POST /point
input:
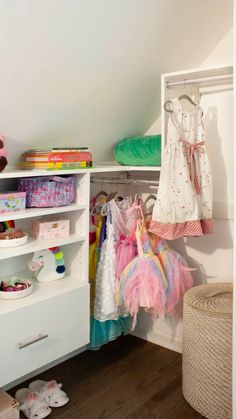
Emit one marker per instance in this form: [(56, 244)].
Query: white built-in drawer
[(60, 323)]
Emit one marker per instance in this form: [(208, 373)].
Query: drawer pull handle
[(33, 340)]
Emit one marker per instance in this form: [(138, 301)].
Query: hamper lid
[(214, 298)]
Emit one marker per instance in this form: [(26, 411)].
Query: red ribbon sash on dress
[(190, 150)]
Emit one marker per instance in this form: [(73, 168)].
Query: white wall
[(223, 52), (220, 55), (212, 255), (88, 71), (234, 231)]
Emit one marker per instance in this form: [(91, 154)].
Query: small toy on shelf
[(3, 153), (12, 201), (6, 225), (14, 288), (10, 236), (48, 264), (50, 229)]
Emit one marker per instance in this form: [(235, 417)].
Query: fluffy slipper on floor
[(31, 404), (50, 391)]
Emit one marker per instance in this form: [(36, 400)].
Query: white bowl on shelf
[(15, 295), (14, 242)]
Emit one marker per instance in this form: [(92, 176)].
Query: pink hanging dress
[(177, 273), (143, 283)]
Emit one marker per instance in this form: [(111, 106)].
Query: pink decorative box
[(9, 407), (12, 201), (53, 229)]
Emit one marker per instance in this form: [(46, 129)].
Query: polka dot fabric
[(184, 199)]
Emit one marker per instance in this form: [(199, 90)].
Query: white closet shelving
[(38, 212), (54, 319), (34, 245)]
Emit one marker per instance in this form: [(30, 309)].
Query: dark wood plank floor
[(126, 379)]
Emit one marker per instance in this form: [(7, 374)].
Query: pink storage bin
[(12, 201), (48, 191), (54, 229)]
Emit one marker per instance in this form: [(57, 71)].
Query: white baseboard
[(167, 341)]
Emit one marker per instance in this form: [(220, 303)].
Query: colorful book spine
[(54, 165), (56, 150), (58, 157), (68, 149)]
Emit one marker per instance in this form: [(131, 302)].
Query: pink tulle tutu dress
[(126, 248), (177, 274), (143, 283)]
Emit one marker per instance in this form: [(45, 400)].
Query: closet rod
[(226, 77), (120, 181)]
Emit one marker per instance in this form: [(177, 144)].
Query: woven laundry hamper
[(207, 349)]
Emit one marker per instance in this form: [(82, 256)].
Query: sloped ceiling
[(88, 71)]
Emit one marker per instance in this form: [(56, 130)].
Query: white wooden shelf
[(41, 291), (10, 173), (145, 168), (114, 167), (36, 245), (97, 168), (39, 212)]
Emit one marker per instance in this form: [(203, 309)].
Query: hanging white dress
[(105, 307), (104, 304), (184, 199)]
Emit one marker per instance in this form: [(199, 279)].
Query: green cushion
[(139, 151)]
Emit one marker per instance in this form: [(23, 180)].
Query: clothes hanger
[(193, 96), (112, 194), (187, 97), (196, 97), (96, 209), (181, 97), (166, 104), (119, 198), (105, 209), (150, 197), (101, 193), (137, 200), (96, 203)]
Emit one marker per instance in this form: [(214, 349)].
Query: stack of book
[(56, 158)]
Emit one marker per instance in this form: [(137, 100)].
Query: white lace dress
[(105, 307), (104, 304), (184, 199)]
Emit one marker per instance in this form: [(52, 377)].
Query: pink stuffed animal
[(3, 153)]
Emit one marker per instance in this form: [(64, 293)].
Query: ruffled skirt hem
[(104, 332), (186, 229)]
